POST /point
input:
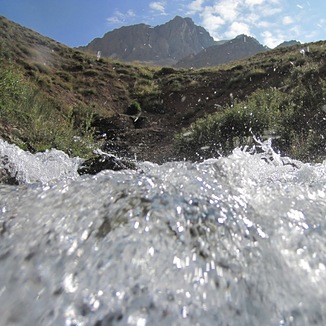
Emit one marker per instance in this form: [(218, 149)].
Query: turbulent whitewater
[(238, 240)]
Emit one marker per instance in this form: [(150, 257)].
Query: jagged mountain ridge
[(179, 43), (161, 45), (288, 43), (241, 47)]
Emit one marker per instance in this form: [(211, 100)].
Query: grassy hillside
[(288, 106), (56, 96), (47, 88)]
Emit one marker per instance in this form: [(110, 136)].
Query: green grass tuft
[(36, 122)]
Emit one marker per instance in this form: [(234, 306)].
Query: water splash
[(236, 240), (52, 165)]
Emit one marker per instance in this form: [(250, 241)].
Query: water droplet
[(70, 283)]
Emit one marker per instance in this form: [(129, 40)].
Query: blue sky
[(77, 22)]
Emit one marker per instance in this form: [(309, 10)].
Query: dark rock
[(6, 176), (110, 319), (141, 122), (104, 161)]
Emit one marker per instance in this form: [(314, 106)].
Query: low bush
[(255, 74), (42, 67), (91, 73), (295, 119), (87, 91), (134, 108), (64, 75), (36, 122)]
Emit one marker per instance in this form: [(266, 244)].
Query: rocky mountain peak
[(178, 42), (240, 47), (163, 44)]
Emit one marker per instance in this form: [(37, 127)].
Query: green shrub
[(42, 67), (30, 52), (166, 71), (64, 75), (145, 87), (87, 91), (308, 146), (78, 56), (295, 119), (134, 108), (91, 73), (36, 121), (255, 74)]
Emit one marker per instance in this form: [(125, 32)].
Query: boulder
[(6, 178)]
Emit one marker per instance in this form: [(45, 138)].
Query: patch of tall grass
[(35, 121), (295, 119)]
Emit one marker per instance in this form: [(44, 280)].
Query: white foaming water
[(41, 167), (238, 240)]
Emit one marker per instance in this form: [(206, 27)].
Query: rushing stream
[(239, 240)]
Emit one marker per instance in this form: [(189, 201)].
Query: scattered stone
[(104, 161), (6, 178), (5, 174)]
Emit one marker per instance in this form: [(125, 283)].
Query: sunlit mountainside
[(56, 96)]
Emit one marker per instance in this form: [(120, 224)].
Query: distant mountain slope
[(67, 75), (288, 43), (162, 45), (239, 48)]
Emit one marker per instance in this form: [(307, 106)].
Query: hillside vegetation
[(294, 116), (55, 96)]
